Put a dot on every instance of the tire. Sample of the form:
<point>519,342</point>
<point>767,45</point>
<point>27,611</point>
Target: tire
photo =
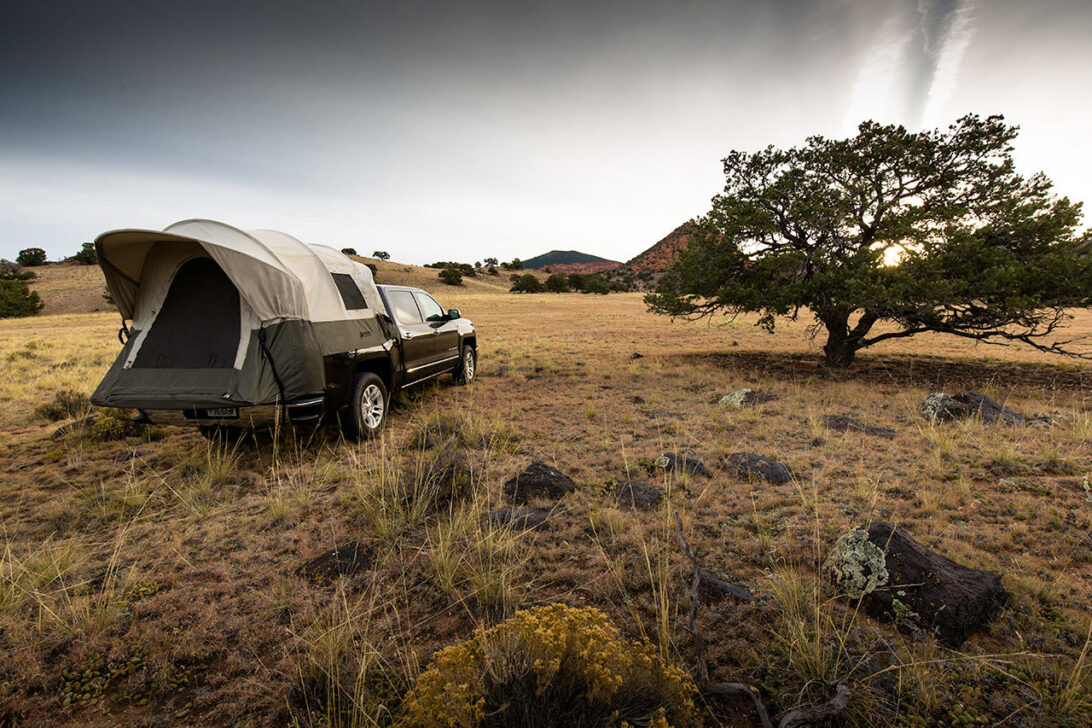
<point>221,433</point>
<point>367,411</point>
<point>468,365</point>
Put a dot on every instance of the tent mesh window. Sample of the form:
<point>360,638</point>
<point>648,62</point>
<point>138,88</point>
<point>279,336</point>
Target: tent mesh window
<point>198,324</point>
<point>350,293</point>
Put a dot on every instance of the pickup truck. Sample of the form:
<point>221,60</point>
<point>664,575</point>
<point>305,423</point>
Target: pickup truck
<point>226,329</point>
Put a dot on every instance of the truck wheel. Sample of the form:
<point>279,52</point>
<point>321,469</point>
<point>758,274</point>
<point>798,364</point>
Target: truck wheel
<point>367,411</point>
<point>468,365</point>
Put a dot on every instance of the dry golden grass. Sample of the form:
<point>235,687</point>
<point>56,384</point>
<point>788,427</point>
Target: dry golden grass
<point>183,560</point>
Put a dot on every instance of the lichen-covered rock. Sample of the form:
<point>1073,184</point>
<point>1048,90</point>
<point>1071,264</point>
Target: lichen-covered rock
<point>539,480</point>
<point>898,579</point>
<point>844,423</point>
<point>633,494</point>
<point>940,407</point>
<point>670,461</point>
<point>751,467</point>
<point>745,398</point>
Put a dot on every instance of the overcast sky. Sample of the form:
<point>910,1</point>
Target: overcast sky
<point>470,129</point>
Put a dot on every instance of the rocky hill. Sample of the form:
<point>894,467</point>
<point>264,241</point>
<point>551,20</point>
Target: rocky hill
<point>660,255</point>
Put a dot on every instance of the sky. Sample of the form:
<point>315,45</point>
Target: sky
<point>489,128</point>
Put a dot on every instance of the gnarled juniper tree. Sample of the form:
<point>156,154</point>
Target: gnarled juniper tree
<point>887,235</point>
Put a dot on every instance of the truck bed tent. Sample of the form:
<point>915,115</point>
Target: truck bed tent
<point>227,317</point>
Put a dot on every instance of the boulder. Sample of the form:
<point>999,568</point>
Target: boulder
<point>844,423</point>
<point>521,518</point>
<point>745,398</point>
<point>634,494</point>
<point>539,480</point>
<point>939,406</point>
<point>670,461</point>
<point>900,580</point>
<point>345,560</point>
<point>751,467</point>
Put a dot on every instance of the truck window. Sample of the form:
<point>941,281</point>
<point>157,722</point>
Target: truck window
<point>432,310</point>
<point>403,307</point>
<point>350,292</point>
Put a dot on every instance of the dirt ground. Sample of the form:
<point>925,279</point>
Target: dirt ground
<point>155,579</point>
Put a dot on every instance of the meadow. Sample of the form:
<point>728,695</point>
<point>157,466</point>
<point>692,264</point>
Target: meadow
<point>154,578</point>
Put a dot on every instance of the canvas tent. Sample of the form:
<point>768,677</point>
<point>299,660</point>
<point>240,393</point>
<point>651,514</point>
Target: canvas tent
<point>227,317</point>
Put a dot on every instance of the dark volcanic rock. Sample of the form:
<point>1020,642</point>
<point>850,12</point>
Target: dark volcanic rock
<point>672,461</point>
<point>539,480</point>
<point>345,560</point>
<point>844,423</point>
<point>748,466</point>
<point>521,518</point>
<point>633,494</point>
<point>636,355</point>
<point>901,580</point>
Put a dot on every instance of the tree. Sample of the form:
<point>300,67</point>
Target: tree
<point>31,257</point>
<point>929,231</point>
<point>86,255</point>
<point>349,251</point>
<point>595,284</point>
<point>14,272</point>
<point>381,255</point>
<point>557,283</point>
<point>525,283</point>
<point>491,262</point>
<point>451,276</point>
<point>17,300</point>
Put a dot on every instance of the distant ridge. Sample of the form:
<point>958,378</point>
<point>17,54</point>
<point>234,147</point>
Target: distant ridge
<point>659,256</point>
<point>570,261</point>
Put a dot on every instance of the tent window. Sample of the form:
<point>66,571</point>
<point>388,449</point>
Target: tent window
<point>198,324</point>
<point>350,293</point>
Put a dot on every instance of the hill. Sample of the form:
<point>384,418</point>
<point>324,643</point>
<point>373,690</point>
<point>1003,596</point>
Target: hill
<point>570,261</point>
<point>662,253</point>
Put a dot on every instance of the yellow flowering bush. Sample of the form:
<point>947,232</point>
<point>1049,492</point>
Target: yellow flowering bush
<point>550,666</point>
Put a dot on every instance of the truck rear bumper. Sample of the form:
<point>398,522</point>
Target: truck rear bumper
<point>309,411</point>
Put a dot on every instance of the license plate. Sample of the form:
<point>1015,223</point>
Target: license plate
<point>223,413</point>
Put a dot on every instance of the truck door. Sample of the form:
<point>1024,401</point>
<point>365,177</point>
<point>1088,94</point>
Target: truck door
<point>416,335</point>
<point>445,337</point>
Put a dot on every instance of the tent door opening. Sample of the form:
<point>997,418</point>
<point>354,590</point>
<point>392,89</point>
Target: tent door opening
<point>198,324</point>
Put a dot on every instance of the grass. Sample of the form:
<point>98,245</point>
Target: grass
<point>222,530</point>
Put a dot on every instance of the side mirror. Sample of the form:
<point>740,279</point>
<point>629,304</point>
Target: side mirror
<point>453,313</point>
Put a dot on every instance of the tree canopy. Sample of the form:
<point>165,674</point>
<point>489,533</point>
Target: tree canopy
<point>887,235</point>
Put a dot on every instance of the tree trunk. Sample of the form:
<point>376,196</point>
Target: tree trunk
<point>839,348</point>
<point>842,342</point>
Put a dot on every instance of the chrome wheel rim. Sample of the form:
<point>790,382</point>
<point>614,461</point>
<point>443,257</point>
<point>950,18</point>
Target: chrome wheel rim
<point>371,406</point>
<point>468,364</point>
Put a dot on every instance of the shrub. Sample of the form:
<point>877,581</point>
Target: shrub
<point>595,284</point>
<point>114,424</point>
<point>31,257</point>
<point>557,283</point>
<point>14,272</point>
<point>550,666</point>
<point>381,255</point>
<point>492,270</point>
<point>349,251</point>
<point>525,283</point>
<point>442,427</point>
<point>87,255</point>
<point>17,300</point>
<point>451,276</point>
<point>66,404</point>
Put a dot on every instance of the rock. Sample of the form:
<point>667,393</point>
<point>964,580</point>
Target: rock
<point>844,423</point>
<point>539,480</point>
<point>901,580</point>
<point>751,467</point>
<point>633,494</point>
<point>638,399</point>
<point>521,518</point>
<point>345,560</point>
<point>745,398</point>
<point>941,407</point>
<point>670,461</point>
<point>636,355</point>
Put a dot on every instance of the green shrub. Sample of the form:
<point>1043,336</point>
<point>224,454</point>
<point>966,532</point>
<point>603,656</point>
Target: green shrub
<point>525,283</point>
<point>14,272</point>
<point>451,276</point>
<point>17,300</point>
<point>31,257</point>
<point>550,666</point>
<point>66,405</point>
<point>114,424</point>
<point>349,251</point>
<point>87,255</point>
<point>557,283</point>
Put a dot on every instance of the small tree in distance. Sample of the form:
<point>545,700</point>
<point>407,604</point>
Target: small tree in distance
<point>17,300</point>
<point>525,283</point>
<point>451,276</point>
<point>381,255</point>
<point>929,231</point>
<point>86,255</point>
<point>31,257</point>
<point>557,283</point>
<point>349,251</point>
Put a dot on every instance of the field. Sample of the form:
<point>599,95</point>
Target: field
<point>155,579</point>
